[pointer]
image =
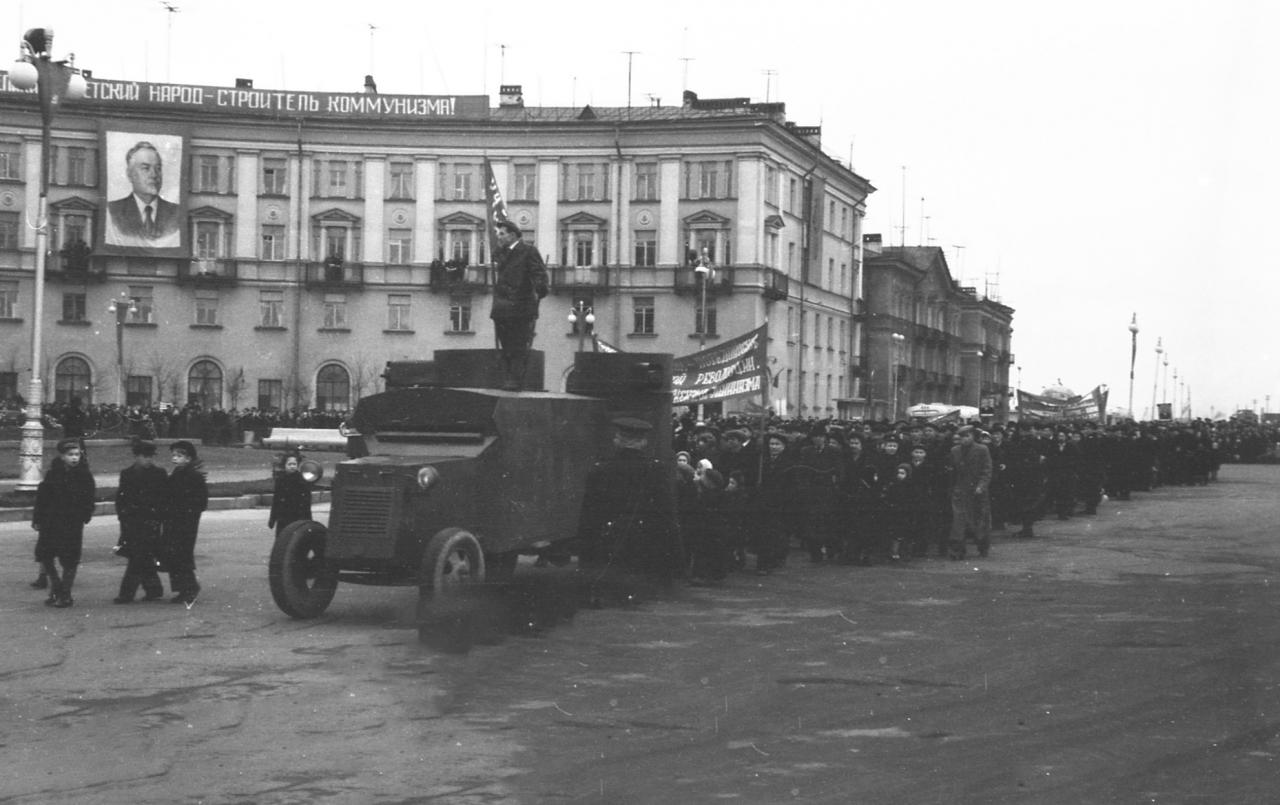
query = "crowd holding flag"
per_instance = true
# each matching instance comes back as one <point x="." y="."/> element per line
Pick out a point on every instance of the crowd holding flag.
<point x="733" y="369"/>
<point x="1091" y="406"/>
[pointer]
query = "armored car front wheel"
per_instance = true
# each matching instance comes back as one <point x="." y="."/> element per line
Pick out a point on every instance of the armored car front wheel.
<point x="452" y="569"/>
<point x="301" y="584"/>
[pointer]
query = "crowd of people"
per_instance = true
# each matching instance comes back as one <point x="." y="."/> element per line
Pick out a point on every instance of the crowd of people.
<point x="861" y="493"/>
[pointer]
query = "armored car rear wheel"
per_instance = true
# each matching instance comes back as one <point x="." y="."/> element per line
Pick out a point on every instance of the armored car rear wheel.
<point x="452" y="570"/>
<point x="301" y="584"/>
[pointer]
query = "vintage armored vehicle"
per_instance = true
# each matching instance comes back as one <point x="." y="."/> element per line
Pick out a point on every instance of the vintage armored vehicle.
<point x="453" y="478"/>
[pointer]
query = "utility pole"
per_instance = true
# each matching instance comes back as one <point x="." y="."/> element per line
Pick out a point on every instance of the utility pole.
<point x="168" y="48"/>
<point x="630" y="54"/>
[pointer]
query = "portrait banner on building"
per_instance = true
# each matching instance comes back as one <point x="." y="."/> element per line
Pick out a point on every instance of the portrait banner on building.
<point x="144" y="183"/>
<point x="1082" y="406"/>
<point x="732" y="369"/>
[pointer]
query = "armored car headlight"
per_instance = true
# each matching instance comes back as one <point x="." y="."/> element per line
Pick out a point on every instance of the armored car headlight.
<point x="427" y="477"/>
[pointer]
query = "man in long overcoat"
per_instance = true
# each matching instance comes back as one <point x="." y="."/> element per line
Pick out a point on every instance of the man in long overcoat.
<point x="970" y="494"/>
<point x="521" y="284"/>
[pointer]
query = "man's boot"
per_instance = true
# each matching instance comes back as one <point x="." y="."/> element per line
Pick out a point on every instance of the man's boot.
<point x="55" y="583"/>
<point x="128" y="589"/>
<point x="41" y="582"/>
<point x="64" y="595"/>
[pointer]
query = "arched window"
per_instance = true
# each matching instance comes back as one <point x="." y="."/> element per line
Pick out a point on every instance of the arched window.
<point x="204" y="384"/>
<point x="333" y="388"/>
<point x="72" y="379"/>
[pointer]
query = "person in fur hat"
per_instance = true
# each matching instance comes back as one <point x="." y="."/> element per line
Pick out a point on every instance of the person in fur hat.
<point x="186" y="497"/>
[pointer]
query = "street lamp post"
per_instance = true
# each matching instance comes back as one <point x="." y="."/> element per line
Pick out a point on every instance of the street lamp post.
<point x="581" y="313"/>
<point x="1155" y="378"/>
<point x="52" y="81"/>
<point x="704" y="270"/>
<point x="121" y="307"/>
<point x="898" y="338"/>
<point x="1133" y="358"/>
<point x="1164" y="386"/>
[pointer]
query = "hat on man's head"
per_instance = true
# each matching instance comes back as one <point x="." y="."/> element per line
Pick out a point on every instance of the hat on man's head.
<point x="66" y="444"/>
<point x="185" y="447"/>
<point x="143" y="447"/>
<point x="967" y="430"/>
<point x="632" y="427"/>
<point x="510" y="226"/>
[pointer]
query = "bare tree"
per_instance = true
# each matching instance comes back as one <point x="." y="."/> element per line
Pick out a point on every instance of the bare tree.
<point x="364" y="376"/>
<point x="165" y="375"/>
<point x="236" y="387"/>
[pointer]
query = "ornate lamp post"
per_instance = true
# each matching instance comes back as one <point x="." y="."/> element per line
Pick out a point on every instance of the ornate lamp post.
<point x="1155" y="378"/>
<point x="581" y="312"/>
<point x="122" y="308"/>
<point x="53" y="81"/>
<point x="705" y="272"/>
<point x="1133" y="357"/>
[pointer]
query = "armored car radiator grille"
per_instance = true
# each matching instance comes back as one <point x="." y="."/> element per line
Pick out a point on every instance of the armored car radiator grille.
<point x="363" y="521"/>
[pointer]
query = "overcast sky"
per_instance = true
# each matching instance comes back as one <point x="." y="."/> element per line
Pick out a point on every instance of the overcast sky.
<point x="1082" y="162"/>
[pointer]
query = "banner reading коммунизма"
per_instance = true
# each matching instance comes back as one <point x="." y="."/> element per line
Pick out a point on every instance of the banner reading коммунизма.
<point x="732" y="369"/>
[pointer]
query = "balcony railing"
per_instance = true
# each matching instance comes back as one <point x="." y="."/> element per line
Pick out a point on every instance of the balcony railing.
<point x="689" y="281"/>
<point x="777" y="285"/>
<point x="570" y="278"/>
<point x="73" y="268"/>
<point x="335" y="275"/>
<point x="207" y="272"/>
<point x="453" y="277"/>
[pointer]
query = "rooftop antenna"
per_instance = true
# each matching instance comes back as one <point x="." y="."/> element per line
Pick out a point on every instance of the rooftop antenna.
<point x="372" y="28"/>
<point x="684" y="46"/>
<point x="959" y="262"/>
<point x="573" y="94"/>
<point x="923" y="218"/>
<point x="902" y="235"/>
<point x="768" y="83"/>
<point x="927" y="240"/>
<point x="502" y="64"/>
<point x="168" y="52"/>
<point x="630" y="55"/>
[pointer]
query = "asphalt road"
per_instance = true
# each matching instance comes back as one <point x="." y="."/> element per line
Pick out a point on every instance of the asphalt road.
<point x="1129" y="657"/>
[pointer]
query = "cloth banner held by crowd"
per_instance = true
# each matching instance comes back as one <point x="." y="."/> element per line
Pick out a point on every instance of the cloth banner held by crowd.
<point x="733" y="369"/>
<point x="1082" y="406"/>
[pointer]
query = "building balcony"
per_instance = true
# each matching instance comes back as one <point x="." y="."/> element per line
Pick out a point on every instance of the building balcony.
<point x="689" y="281"/>
<point x="456" y="277"/>
<point x="777" y="285"/>
<point x="207" y="273"/>
<point x="572" y="279"/>
<point x="59" y="267"/>
<point x="331" y="274"/>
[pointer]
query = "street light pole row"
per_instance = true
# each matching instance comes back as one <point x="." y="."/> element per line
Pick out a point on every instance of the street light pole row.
<point x="53" y="81"/>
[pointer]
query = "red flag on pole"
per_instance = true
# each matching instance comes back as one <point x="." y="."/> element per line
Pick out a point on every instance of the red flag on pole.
<point x="496" y="206"/>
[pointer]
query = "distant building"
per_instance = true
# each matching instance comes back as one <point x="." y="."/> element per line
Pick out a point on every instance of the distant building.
<point x="928" y="338"/>
<point x="327" y="233"/>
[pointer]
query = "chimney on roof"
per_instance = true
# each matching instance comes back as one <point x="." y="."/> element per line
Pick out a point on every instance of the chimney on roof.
<point x="370" y="88"/>
<point x="872" y="244"/>
<point x="690" y="99"/>
<point x="244" y="83"/>
<point x="511" y="96"/>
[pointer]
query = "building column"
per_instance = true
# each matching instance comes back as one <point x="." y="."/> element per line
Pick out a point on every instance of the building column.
<point x="549" y="210"/>
<point x="246" y="205"/>
<point x="375" y="180"/>
<point x="424" y="210"/>
<point x="669" y="213"/>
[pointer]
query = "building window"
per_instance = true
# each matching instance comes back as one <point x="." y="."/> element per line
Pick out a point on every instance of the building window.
<point x="272" y="242"/>
<point x="73" y="228"/>
<point x="583" y="248"/>
<point x="335" y="241"/>
<point x="275" y="176"/>
<point x="460" y="313"/>
<point x="400" y="180"/>
<point x="206" y="174"/>
<point x="207" y="307"/>
<point x="642" y="315"/>
<point x="771" y="255"/>
<point x="584" y="181"/>
<point x="335" y="311"/>
<point x="791" y="256"/>
<point x="271" y="308"/>
<point x="10" y="161"/>
<point x="337" y="174"/>
<point x="209" y="240"/>
<point x="525" y="183"/>
<point x="333" y="388"/>
<point x="72" y="380"/>
<point x="143" y="310"/>
<point x="78" y="172"/>
<point x="791" y="195"/>
<point x="771" y="185"/>
<point x="270" y="395"/>
<point x="8" y="385"/>
<point x="462" y="183"/>
<point x="204" y="385"/>
<point x="646" y="181"/>
<point x="704" y="319"/>
<point x="398" y="309"/>
<point x="400" y="246"/>
<point x="8" y="299"/>
<point x="73" y="307"/>
<point x="137" y="390"/>
<point x="8" y="231"/>
<point x="337" y="178"/>
<point x="459" y="245"/>
<point x="646" y="247"/>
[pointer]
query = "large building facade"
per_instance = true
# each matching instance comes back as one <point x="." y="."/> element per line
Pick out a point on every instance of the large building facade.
<point x="325" y="234"/>
<point x="930" y="339"/>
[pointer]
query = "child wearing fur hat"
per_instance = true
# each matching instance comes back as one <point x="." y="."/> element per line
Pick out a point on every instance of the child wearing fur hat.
<point x="291" y="497"/>
<point x="64" y="504"/>
<point x="187" y="496"/>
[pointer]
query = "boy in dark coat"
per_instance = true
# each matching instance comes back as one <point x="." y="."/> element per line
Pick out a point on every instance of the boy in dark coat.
<point x="64" y="503"/>
<point x="291" y="498"/>
<point x="140" y="501"/>
<point x="186" y="497"/>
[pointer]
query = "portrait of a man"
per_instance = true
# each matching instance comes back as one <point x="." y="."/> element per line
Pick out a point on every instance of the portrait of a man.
<point x="142" y="217"/>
